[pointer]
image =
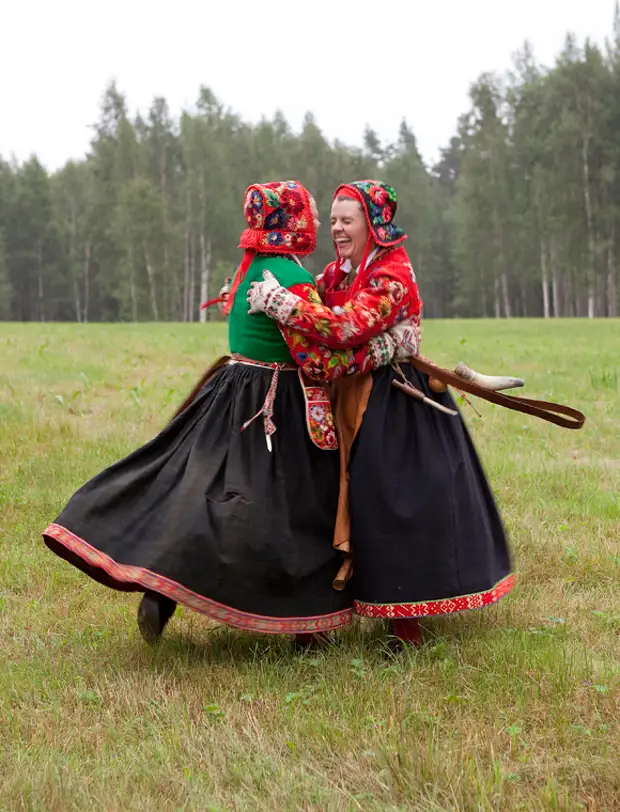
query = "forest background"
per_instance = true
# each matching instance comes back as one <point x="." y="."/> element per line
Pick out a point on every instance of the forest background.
<point x="520" y="216"/>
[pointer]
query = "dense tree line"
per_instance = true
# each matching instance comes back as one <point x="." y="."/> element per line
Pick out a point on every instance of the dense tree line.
<point x="520" y="217"/>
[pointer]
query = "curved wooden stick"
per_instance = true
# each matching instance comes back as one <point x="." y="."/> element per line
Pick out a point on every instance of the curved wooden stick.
<point x="411" y="390"/>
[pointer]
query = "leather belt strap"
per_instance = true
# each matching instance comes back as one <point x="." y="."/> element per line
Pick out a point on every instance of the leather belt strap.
<point x="545" y="410"/>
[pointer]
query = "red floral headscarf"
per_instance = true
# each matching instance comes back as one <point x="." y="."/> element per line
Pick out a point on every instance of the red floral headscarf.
<point x="378" y="201"/>
<point x="280" y="220"/>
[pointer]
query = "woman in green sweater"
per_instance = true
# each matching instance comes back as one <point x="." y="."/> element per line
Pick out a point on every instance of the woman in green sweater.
<point x="230" y="510"/>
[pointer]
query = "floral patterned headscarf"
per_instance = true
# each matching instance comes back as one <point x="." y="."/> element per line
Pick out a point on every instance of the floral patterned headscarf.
<point x="379" y="202"/>
<point x="280" y="220"/>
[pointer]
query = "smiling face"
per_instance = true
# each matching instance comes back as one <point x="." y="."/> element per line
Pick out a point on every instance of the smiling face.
<point x="349" y="229"/>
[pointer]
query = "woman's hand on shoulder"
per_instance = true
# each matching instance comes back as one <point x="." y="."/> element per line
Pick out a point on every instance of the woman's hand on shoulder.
<point x="259" y="293"/>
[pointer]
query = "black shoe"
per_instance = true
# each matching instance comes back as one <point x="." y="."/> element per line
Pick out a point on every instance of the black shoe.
<point x="153" y="613"/>
<point x="311" y="640"/>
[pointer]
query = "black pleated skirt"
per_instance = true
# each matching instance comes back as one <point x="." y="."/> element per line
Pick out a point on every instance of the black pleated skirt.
<point x="207" y="516"/>
<point x="427" y="535"/>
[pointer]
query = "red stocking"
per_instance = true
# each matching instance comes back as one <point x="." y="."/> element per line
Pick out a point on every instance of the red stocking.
<point x="407" y="630"/>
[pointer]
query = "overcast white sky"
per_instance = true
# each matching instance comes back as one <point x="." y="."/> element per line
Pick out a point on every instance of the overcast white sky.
<point x="351" y="62"/>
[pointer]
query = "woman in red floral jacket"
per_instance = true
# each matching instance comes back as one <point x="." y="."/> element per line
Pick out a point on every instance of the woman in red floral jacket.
<point x="426" y="534"/>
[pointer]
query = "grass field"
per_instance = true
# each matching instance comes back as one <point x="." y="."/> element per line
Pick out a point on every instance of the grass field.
<point x="516" y="707"/>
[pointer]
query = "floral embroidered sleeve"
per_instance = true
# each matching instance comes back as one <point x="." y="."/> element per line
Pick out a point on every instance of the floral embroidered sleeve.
<point x="375" y="309"/>
<point x="320" y="284"/>
<point x="320" y="363"/>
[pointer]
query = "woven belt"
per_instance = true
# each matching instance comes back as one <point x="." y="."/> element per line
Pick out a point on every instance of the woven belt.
<point x="266" y="410"/>
<point x="236" y="358"/>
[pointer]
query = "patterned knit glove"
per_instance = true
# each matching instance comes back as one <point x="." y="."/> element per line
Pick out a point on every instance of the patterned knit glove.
<point x="271" y="298"/>
<point x="382" y="349"/>
<point x="406" y="340"/>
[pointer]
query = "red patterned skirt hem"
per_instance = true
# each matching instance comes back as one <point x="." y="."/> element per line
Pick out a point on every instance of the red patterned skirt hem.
<point x="443" y="606"/>
<point x="125" y="574"/>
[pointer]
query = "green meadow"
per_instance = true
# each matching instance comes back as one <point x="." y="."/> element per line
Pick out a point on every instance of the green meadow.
<point x="516" y="707"/>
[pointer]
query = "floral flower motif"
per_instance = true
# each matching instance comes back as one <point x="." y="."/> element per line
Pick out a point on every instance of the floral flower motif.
<point x="255" y="200"/>
<point x="292" y="202"/>
<point x="303" y="242"/>
<point x="313" y="367"/>
<point x="382" y="233"/>
<point x="275" y="238"/>
<point x="387" y="214"/>
<point x="378" y="195"/>
<point x="330" y="438"/>
<point x="254" y="219"/>
<point x="272" y="198"/>
<point x="397" y="291"/>
<point x="317" y="412"/>
<point x="277" y="219"/>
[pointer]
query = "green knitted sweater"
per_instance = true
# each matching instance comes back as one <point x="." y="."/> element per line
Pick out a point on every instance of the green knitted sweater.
<point x="257" y="336"/>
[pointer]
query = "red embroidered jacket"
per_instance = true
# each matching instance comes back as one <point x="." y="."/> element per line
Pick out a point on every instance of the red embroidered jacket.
<point x="383" y="295"/>
<point x="322" y="363"/>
